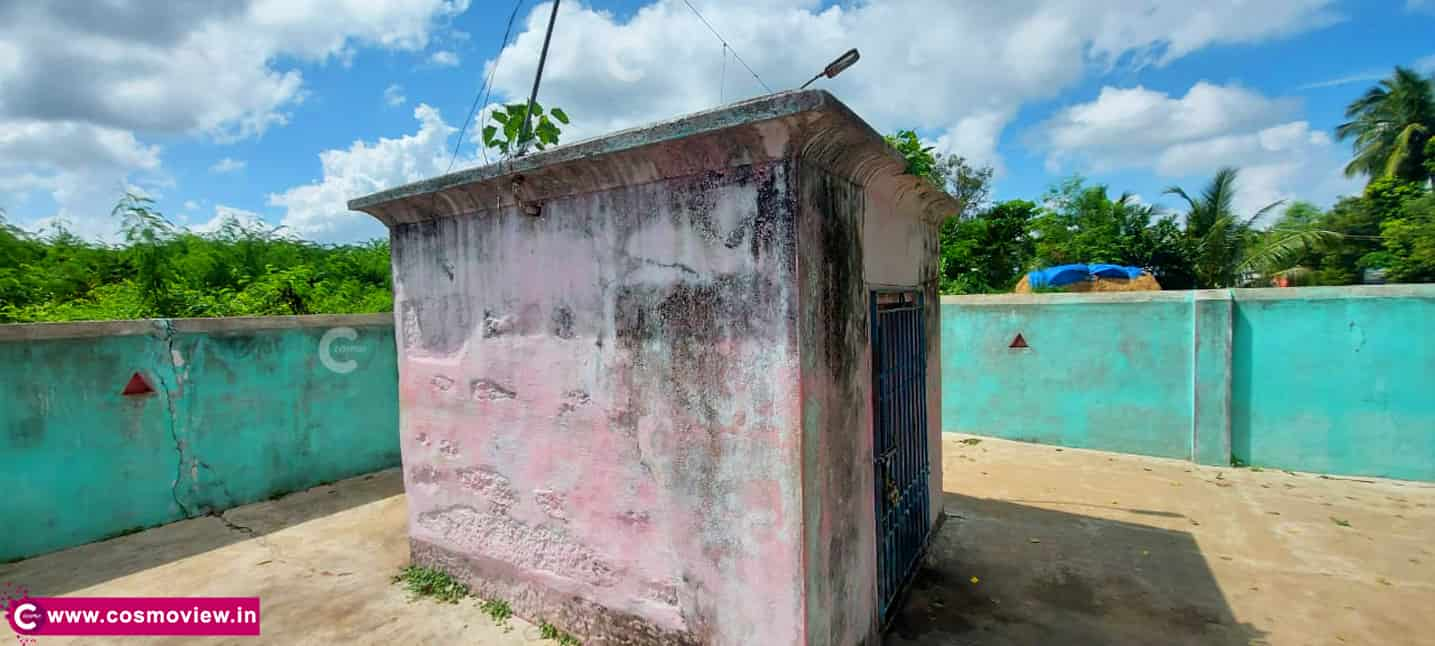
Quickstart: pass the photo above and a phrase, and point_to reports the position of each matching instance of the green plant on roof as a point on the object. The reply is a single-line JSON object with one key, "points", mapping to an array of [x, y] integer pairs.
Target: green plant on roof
{"points": [[511, 136]]}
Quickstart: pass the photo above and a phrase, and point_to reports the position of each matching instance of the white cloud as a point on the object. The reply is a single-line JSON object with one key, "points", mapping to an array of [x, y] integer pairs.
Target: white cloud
{"points": [[246, 220], [1125, 127], [444, 58], [123, 71], [394, 95], [1189, 137], [318, 210], [1420, 5], [1426, 63], [975, 137], [191, 205], [961, 76], [1362, 77], [228, 165], [209, 67], [85, 168]]}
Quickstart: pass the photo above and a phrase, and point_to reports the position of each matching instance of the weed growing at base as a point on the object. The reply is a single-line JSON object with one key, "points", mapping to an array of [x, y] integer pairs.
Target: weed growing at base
{"points": [[428, 582]]}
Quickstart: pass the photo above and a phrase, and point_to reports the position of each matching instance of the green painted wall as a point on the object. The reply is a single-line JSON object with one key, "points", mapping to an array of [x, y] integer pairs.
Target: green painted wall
{"points": [[1331, 380], [245, 409], [1096, 374], [1338, 381]]}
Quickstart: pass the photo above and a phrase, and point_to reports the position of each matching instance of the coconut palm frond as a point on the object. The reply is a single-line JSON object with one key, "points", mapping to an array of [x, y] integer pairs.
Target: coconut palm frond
{"points": [[1284, 245]]}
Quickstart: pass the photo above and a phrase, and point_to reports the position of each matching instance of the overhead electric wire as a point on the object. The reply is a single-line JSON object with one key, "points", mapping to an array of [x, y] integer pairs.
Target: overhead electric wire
{"points": [[485, 90], [727, 45]]}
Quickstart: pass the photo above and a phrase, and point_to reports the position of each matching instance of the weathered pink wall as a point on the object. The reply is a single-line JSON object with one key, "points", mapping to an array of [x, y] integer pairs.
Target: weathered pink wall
{"points": [[601, 402], [840, 519], [853, 239]]}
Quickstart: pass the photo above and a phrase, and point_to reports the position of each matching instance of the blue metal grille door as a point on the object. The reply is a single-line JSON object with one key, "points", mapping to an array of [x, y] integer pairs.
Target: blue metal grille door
{"points": [[899, 450]]}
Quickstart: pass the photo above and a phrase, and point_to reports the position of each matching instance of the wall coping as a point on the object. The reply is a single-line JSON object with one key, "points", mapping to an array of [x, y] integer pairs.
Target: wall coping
{"points": [[1410, 290], [1242, 294], [1068, 299], [808, 124], [135, 327]]}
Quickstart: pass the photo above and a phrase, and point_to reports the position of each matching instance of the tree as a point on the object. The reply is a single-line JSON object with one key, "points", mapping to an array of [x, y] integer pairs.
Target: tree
{"points": [[1391, 125], [987, 253], [1226, 248], [969, 185], [161, 270], [1406, 213], [1082, 224], [145, 231]]}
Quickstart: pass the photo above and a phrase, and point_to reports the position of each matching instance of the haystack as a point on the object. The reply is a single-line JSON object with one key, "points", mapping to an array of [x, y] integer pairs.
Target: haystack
{"points": [[1144, 282]]}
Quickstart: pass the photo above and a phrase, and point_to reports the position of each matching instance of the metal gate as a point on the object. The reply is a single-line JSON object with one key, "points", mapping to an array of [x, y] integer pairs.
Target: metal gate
{"points": [[899, 450]]}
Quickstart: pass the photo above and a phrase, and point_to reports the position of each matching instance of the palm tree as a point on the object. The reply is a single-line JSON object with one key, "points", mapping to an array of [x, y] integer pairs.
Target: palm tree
{"points": [[1226, 249], [1391, 124]]}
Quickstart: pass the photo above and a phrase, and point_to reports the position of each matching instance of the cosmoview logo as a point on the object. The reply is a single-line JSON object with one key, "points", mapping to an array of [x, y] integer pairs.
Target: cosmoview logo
{"points": [[25, 616], [336, 346]]}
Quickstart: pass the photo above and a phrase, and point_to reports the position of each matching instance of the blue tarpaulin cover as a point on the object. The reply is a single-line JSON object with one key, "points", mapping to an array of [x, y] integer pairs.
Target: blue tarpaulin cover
{"points": [[1067, 274]]}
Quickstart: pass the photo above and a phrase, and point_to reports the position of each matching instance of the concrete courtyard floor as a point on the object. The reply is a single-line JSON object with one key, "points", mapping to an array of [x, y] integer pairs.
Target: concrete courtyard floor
{"points": [[1041, 545], [1045, 545]]}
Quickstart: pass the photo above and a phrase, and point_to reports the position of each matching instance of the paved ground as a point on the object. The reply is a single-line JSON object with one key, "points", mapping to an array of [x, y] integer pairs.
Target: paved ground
{"points": [[319, 560], [1082, 547], [1067, 547]]}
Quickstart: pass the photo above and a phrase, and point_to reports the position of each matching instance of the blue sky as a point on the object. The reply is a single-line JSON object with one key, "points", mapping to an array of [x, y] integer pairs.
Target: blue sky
{"points": [[278, 111]]}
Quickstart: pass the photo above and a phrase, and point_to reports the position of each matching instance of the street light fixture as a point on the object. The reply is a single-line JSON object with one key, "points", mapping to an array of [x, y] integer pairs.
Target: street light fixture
{"points": [[835, 67]]}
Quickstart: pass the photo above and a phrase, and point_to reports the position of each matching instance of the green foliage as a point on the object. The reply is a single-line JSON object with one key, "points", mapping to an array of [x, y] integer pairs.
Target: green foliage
{"points": [[1430, 158], [1082, 224], [1391, 226], [1392, 126], [987, 253], [920, 159], [1218, 239], [968, 184], [497, 609], [1409, 241], [163, 271], [549, 631], [431, 583], [540, 131]]}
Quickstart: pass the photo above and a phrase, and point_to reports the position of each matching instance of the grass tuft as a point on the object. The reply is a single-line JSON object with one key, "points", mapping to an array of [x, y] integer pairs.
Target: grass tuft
{"points": [[549, 631], [428, 582], [497, 609]]}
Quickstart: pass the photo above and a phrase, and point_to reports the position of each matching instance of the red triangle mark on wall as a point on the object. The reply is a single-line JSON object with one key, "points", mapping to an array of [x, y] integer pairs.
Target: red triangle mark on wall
{"points": [[1018, 342], [137, 385]]}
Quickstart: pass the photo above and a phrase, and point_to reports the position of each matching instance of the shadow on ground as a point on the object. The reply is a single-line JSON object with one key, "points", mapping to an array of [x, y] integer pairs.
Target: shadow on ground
{"points": [[77, 568], [1004, 573]]}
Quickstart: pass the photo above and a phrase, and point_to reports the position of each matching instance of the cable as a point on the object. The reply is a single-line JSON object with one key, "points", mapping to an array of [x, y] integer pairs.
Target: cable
{"points": [[484, 91], [725, 44], [537, 78]]}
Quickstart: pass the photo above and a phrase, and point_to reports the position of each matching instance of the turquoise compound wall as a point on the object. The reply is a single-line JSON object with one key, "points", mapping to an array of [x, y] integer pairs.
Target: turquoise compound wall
{"points": [[1339, 381], [245, 409], [1332, 380], [1097, 374]]}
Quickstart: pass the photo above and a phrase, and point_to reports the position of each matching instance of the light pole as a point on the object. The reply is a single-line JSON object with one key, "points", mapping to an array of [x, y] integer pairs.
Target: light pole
{"points": [[835, 67]]}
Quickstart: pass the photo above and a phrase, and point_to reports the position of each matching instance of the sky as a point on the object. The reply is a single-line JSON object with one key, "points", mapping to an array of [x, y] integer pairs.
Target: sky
{"points": [[276, 112]]}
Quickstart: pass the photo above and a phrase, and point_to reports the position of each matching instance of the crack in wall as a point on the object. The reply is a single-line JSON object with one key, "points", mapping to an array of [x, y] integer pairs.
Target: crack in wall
{"points": [[167, 331]]}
